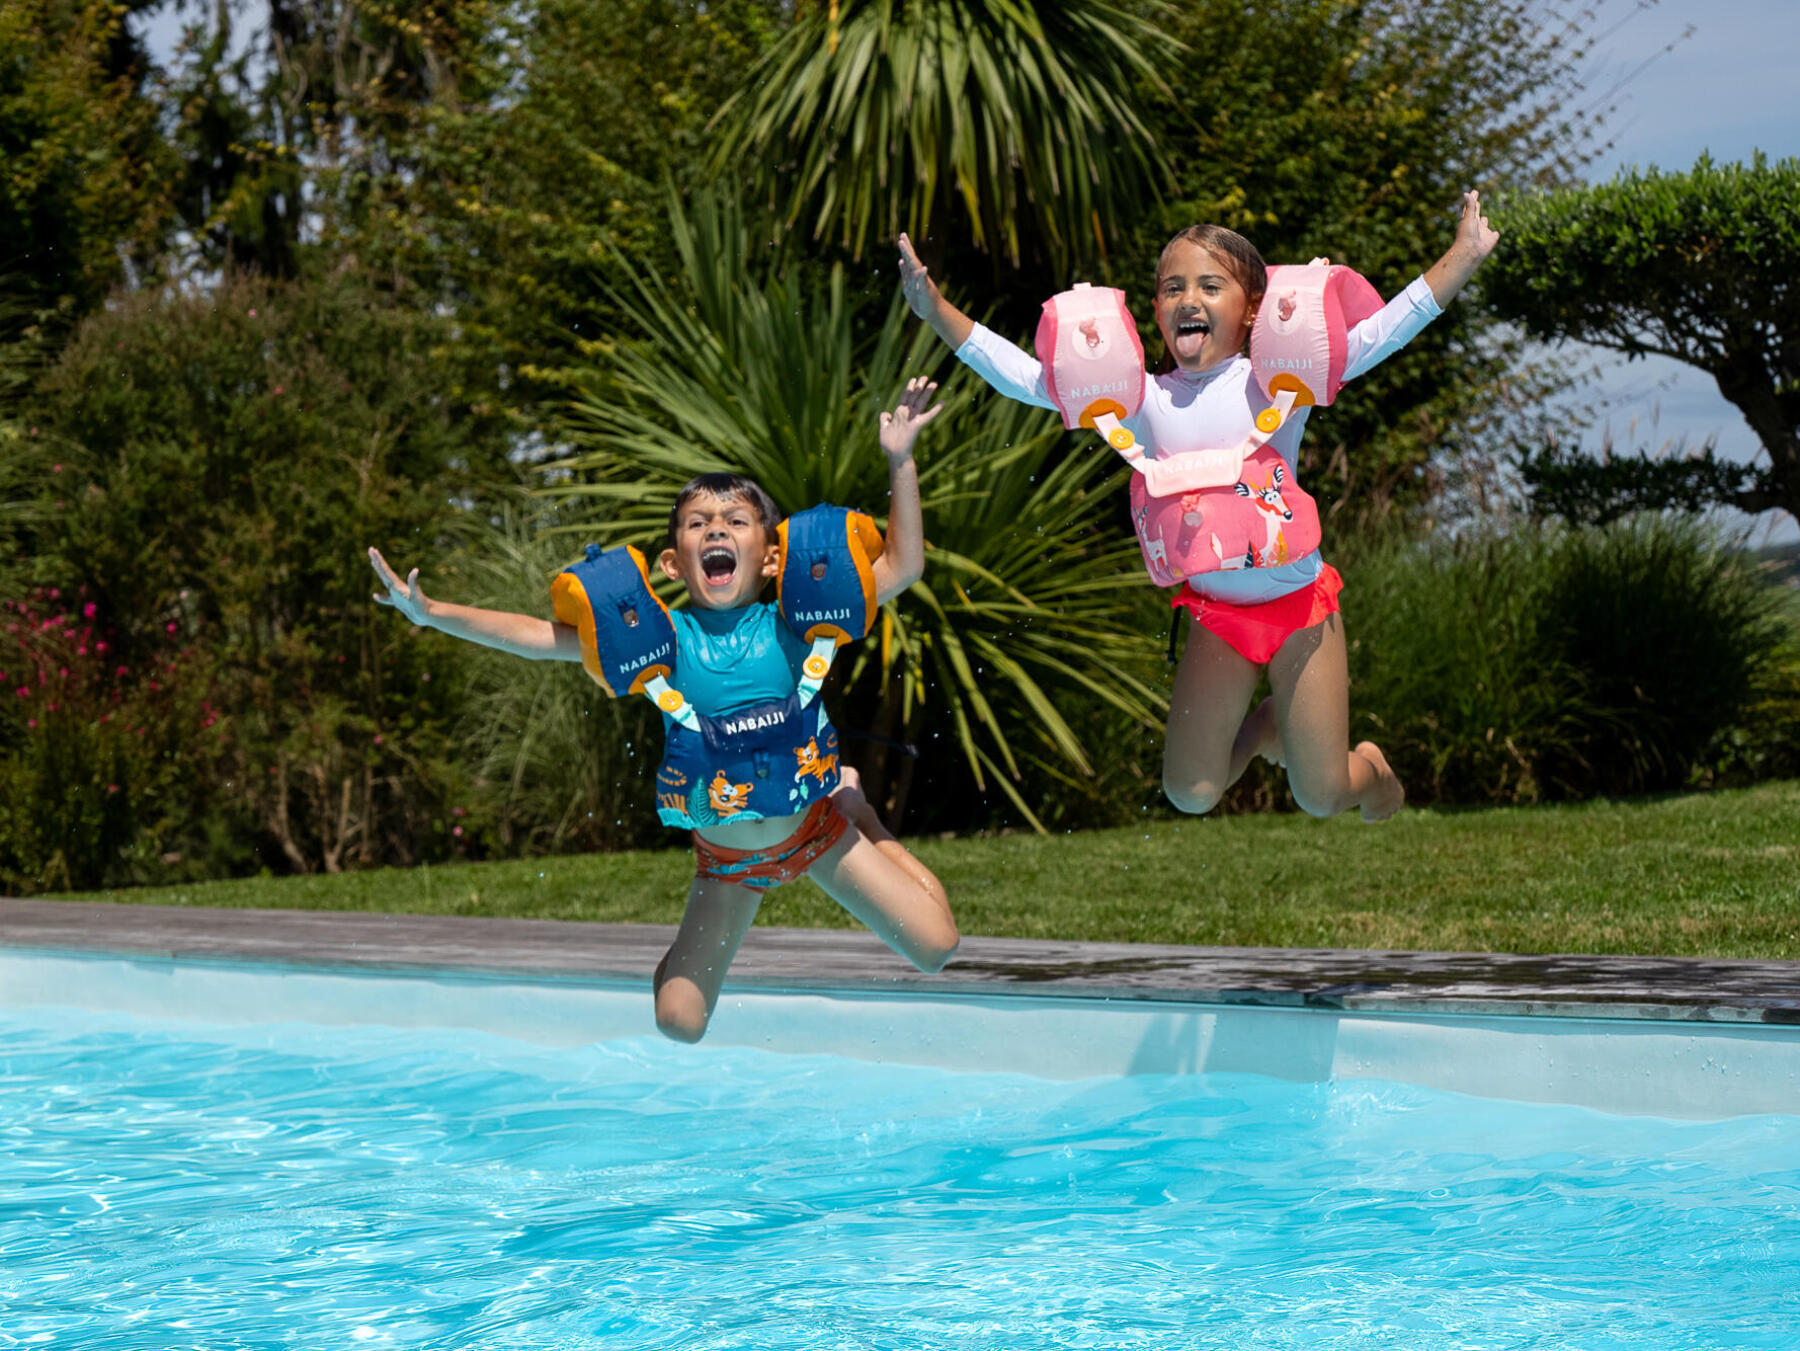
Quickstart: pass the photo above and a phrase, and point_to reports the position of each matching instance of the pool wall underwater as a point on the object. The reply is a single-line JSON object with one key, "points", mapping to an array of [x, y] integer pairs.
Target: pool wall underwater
{"points": [[1666, 1065]]}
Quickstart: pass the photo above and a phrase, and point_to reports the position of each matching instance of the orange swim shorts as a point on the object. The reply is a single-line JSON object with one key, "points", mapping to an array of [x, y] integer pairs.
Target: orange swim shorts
{"points": [[1256, 632], [823, 826]]}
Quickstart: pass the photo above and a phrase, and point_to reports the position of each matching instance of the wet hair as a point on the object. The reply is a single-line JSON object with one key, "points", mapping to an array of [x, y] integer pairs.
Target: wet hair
{"points": [[1241, 258], [1239, 255], [728, 487]]}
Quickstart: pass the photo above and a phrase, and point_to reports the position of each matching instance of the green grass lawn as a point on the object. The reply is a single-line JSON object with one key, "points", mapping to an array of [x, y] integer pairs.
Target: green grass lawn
{"points": [[1715, 874]]}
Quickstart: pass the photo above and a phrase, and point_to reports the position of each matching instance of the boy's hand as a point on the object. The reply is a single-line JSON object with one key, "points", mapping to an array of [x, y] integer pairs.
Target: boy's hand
{"points": [[1474, 236], [916, 285], [406, 597], [901, 427]]}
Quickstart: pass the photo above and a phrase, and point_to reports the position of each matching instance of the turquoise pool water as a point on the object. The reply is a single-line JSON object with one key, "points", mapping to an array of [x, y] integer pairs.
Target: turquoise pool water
{"points": [[169, 1185]]}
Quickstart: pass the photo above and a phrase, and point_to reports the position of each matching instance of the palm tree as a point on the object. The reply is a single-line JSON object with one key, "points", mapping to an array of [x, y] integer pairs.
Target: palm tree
{"points": [[869, 116], [1031, 591]]}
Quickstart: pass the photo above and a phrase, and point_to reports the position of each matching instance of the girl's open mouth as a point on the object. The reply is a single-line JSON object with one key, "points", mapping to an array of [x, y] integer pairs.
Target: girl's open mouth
{"points": [[1190, 336], [719, 565]]}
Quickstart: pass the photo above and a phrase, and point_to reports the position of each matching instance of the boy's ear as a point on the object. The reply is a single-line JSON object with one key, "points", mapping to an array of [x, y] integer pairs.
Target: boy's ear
{"points": [[771, 560], [670, 565]]}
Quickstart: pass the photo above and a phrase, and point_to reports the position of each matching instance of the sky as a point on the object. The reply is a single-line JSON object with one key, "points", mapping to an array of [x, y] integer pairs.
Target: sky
{"points": [[1680, 77]]}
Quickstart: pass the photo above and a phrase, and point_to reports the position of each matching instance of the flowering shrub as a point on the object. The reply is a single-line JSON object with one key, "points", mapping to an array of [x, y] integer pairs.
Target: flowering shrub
{"points": [[106, 757]]}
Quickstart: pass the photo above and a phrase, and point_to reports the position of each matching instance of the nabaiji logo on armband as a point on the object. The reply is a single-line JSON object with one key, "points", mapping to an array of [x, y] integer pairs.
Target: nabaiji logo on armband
{"points": [[820, 616], [665, 650], [1088, 391], [1289, 363]]}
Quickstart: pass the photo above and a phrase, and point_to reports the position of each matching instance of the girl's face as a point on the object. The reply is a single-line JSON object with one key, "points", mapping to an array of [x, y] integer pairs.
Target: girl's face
{"points": [[722, 553], [1202, 309]]}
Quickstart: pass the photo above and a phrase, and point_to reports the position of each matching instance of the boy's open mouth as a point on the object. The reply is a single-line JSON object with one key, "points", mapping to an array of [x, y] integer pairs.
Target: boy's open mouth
{"points": [[719, 565]]}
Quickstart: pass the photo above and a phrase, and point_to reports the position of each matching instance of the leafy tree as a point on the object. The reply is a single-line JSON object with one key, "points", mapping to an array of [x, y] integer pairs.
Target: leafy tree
{"points": [[1698, 266], [213, 466], [1350, 130], [1029, 600], [85, 181], [1012, 122]]}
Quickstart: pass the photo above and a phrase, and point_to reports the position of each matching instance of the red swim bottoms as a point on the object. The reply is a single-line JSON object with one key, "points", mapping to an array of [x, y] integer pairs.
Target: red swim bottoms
{"points": [[823, 826], [1256, 632]]}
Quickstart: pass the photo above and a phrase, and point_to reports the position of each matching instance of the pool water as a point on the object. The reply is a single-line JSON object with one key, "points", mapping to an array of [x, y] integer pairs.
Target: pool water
{"points": [[169, 1185]]}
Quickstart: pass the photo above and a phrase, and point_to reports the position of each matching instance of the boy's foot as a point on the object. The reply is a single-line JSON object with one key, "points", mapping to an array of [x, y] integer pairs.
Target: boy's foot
{"points": [[1386, 795]]}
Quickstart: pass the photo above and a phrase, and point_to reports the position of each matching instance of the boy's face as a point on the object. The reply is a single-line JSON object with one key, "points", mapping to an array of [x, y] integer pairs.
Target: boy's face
{"points": [[1201, 308], [722, 554]]}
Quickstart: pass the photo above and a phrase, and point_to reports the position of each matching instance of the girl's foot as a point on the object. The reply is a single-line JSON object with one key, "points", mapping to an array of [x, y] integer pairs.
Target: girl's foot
{"points": [[1261, 734], [1386, 795]]}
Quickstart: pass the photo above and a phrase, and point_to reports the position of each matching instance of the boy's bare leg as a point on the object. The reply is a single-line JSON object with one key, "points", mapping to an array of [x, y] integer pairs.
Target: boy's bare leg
{"points": [[688, 978], [861, 812], [1210, 740], [1310, 677], [885, 887]]}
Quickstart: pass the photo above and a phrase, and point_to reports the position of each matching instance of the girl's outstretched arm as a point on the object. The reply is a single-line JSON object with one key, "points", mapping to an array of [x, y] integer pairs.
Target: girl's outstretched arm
{"points": [[1475, 240], [903, 561], [926, 301], [521, 635]]}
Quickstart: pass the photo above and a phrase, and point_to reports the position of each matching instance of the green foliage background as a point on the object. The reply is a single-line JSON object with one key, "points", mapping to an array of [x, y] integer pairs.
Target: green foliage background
{"points": [[476, 280]]}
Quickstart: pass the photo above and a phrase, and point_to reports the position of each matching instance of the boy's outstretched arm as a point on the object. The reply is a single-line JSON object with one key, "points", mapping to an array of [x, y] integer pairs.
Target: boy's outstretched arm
{"points": [[903, 561], [1475, 240], [521, 635], [926, 301]]}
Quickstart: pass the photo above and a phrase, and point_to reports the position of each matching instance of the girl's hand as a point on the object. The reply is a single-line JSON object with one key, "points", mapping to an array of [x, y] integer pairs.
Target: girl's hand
{"points": [[1474, 236], [406, 597], [901, 427], [916, 285]]}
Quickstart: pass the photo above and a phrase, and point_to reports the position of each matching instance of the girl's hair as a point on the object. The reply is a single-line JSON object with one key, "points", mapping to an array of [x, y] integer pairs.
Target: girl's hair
{"points": [[745, 489], [1239, 255]]}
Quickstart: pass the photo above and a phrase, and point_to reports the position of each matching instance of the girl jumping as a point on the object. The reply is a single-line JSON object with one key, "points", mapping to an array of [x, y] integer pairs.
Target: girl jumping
{"points": [[1280, 615]]}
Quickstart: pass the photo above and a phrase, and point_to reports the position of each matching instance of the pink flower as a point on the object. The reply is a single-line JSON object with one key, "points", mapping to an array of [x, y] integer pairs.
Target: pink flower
{"points": [[31, 722], [379, 738], [280, 390], [56, 469], [253, 314], [55, 594], [24, 692], [87, 611], [100, 647], [169, 627], [456, 830], [112, 787], [123, 670]]}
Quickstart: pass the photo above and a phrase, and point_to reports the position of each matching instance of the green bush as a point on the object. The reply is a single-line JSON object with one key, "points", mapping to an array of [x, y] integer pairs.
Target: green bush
{"points": [[1554, 664], [218, 463]]}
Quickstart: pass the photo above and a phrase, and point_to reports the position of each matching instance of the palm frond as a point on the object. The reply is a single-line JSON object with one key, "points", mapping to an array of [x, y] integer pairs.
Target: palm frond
{"points": [[1032, 593]]}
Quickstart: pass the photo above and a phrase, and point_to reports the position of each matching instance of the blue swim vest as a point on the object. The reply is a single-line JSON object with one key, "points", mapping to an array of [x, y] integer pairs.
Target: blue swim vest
{"points": [[768, 759]]}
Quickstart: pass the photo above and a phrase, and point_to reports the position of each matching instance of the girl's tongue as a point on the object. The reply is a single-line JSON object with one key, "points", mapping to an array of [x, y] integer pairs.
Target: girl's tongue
{"points": [[1190, 338], [719, 566]]}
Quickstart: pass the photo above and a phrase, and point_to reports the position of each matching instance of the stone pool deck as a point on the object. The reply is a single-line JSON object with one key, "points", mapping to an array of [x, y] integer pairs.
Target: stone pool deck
{"points": [[1655, 988]]}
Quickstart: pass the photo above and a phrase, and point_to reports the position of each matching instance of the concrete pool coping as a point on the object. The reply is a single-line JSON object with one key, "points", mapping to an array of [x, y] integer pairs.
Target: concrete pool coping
{"points": [[1585, 986]]}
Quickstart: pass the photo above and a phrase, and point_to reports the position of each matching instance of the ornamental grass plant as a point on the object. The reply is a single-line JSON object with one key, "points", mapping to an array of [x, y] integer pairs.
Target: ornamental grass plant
{"points": [[1550, 664]]}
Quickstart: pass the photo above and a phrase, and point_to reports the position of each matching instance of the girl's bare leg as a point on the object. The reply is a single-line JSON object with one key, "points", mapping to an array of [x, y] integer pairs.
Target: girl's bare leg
{"points": [[872, 875], [1311, 679], [1205, 752], [688, 978]]}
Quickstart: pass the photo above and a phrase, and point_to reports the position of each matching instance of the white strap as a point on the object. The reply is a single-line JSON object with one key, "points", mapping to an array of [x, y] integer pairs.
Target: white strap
{"points": [[1193, 470], [815, 668], [670, 700]]}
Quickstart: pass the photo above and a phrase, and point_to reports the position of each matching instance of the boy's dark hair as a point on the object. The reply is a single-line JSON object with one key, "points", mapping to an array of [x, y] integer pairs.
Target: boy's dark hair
{"points": [[725, 485]]}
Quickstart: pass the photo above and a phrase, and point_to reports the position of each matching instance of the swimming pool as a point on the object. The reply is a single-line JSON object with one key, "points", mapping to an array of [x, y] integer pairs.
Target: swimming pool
{"points": [[224, 1154], [172, 1184]]}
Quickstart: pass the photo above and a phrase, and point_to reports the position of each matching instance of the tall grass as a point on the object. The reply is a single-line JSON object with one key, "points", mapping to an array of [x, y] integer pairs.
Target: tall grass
{"points": [[1556, 664]]}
